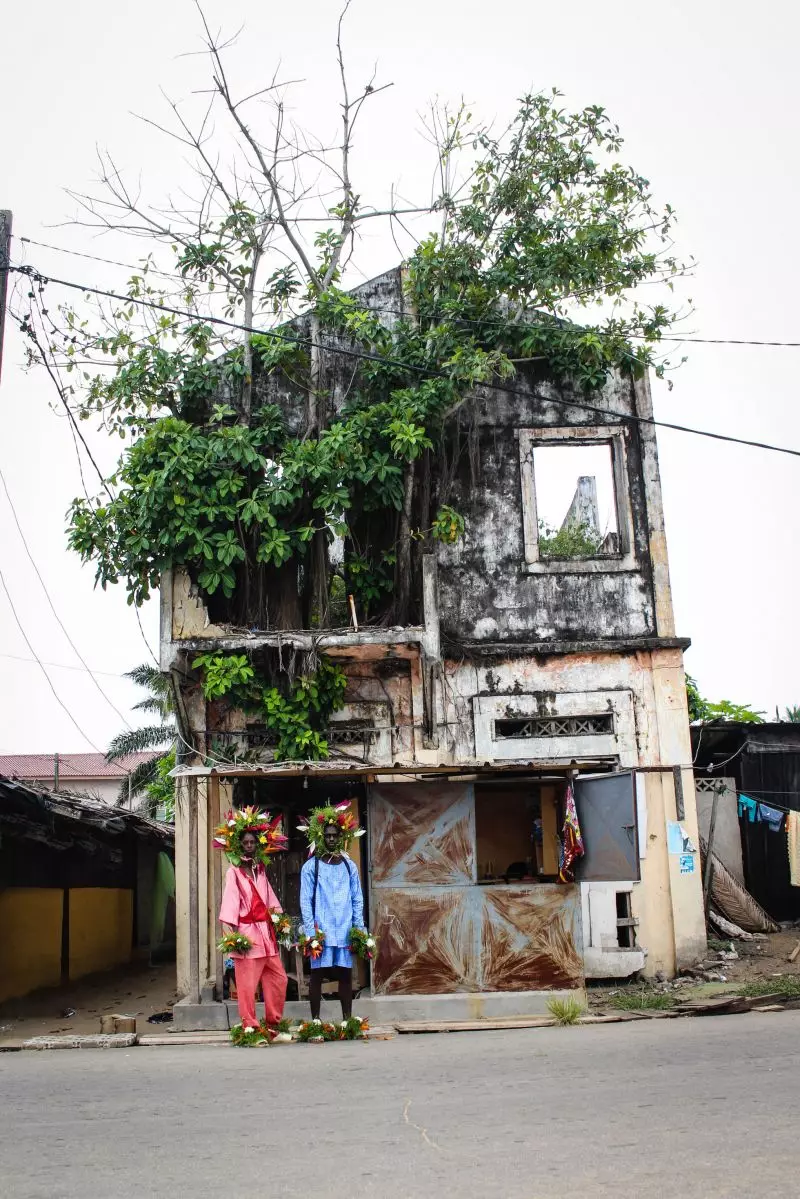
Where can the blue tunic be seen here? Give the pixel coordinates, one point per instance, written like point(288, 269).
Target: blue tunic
point(339, 907)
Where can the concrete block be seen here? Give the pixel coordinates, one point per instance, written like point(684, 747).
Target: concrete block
point(197, 1017)
point(387, 1009)
point(94, 1041)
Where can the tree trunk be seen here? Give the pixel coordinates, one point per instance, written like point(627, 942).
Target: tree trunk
point(403, 569)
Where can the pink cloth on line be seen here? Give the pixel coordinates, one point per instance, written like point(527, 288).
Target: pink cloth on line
point(236, 900)
point(272, 976)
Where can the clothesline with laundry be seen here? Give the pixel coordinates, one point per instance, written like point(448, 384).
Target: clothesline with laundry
point(755, 811)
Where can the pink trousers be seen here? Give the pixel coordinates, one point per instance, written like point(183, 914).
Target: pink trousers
point(271, 974)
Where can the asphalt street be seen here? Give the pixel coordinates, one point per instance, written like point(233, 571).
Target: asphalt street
point(703, 1107)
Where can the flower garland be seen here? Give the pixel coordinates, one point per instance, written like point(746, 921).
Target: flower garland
point(248, 1036)
point(337, 815)
point(315, 1031)
point(283, 924)
point(234, 943)
point(363, 944)
point(251, 1035)
point(312, 947)
point(269, 840)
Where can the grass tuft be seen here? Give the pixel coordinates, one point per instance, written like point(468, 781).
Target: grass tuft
point(566, 1011)
point(642, 1000)
point(784, 984)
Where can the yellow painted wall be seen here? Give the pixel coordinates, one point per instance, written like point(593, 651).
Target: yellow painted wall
point(30, 939)
point(100, 929)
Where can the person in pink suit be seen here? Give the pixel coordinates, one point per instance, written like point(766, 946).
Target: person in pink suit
point(247, 898)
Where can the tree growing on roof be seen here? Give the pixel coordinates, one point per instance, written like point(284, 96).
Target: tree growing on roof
point(531, 250)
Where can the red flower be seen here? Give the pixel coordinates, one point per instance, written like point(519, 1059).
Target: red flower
point(342, 819)
point(320, 819)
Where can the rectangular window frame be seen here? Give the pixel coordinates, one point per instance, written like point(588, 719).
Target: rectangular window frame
point(614, 437)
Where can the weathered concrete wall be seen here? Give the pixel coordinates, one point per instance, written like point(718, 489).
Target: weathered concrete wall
point(487, 590)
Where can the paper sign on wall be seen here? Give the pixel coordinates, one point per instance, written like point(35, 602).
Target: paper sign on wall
point(678, 840)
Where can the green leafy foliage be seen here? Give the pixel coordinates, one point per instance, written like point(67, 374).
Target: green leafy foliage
point(576, 540)
point(299, 718)
point(549, 227)
point(225, 674)
point(161, 791)
point(723, 710)
point(448, 525)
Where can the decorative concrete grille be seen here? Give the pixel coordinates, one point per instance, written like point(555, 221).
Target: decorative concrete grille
point(554, 726)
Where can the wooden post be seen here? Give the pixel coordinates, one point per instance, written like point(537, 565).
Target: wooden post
point(215, 818)
point(709, 849)
point(677, 778)
point(194, 894)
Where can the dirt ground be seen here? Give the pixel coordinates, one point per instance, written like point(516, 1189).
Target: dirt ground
point(137, 990)
point(757, 961)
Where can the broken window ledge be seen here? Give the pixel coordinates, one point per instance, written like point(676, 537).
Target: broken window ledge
point(306, 639)
point(607, 564)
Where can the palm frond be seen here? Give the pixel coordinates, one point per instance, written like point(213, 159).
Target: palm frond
point(140, 777)
point(153, 704)
point(150, 678)
point(136, 741)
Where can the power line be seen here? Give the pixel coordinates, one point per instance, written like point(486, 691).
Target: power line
point(144, 639)
point(43, 668)
point(429, 372)
point(111, 674)
point(461, 320)
point(60, 622)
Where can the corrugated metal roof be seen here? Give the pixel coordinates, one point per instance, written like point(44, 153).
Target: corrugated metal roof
point(20, 802)
point(71, 767)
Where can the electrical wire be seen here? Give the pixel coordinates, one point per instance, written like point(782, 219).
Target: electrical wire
point(111, 674)
point(460, 320)
point(27, 641)
point(428, 372)
point(60, 622)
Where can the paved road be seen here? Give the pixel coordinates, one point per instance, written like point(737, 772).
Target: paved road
point(704, 1107)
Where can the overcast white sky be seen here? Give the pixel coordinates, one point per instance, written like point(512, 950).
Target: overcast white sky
point(707, 98)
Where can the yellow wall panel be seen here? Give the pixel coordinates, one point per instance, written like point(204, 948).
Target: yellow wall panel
point(100, 929)
point(30, 939)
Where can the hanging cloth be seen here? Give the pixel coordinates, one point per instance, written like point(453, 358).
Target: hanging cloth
point(793, 840)
point(747, 808)
point(572, 846)
point(770, 816)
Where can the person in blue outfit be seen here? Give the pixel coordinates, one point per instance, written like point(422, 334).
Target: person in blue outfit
point(331, 900)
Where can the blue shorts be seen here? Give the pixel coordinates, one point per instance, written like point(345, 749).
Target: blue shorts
point(333, 955)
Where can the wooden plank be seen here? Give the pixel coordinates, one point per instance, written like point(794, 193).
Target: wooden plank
point(412, 1026)
point(215, 818)
point(793, 955)
point(549, 830)
point(194, 945)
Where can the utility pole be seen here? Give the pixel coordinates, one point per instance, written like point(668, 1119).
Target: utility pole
point(5, 260)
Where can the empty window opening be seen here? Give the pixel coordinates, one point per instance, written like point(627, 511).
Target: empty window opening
point(626, 925)
point(576, 501)
point(553, 726)
point(516, 833)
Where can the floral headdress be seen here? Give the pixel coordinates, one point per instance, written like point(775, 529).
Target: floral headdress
point(228, 835)
point(338, 815)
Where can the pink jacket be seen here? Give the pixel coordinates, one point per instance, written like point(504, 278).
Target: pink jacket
point(236, 900)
